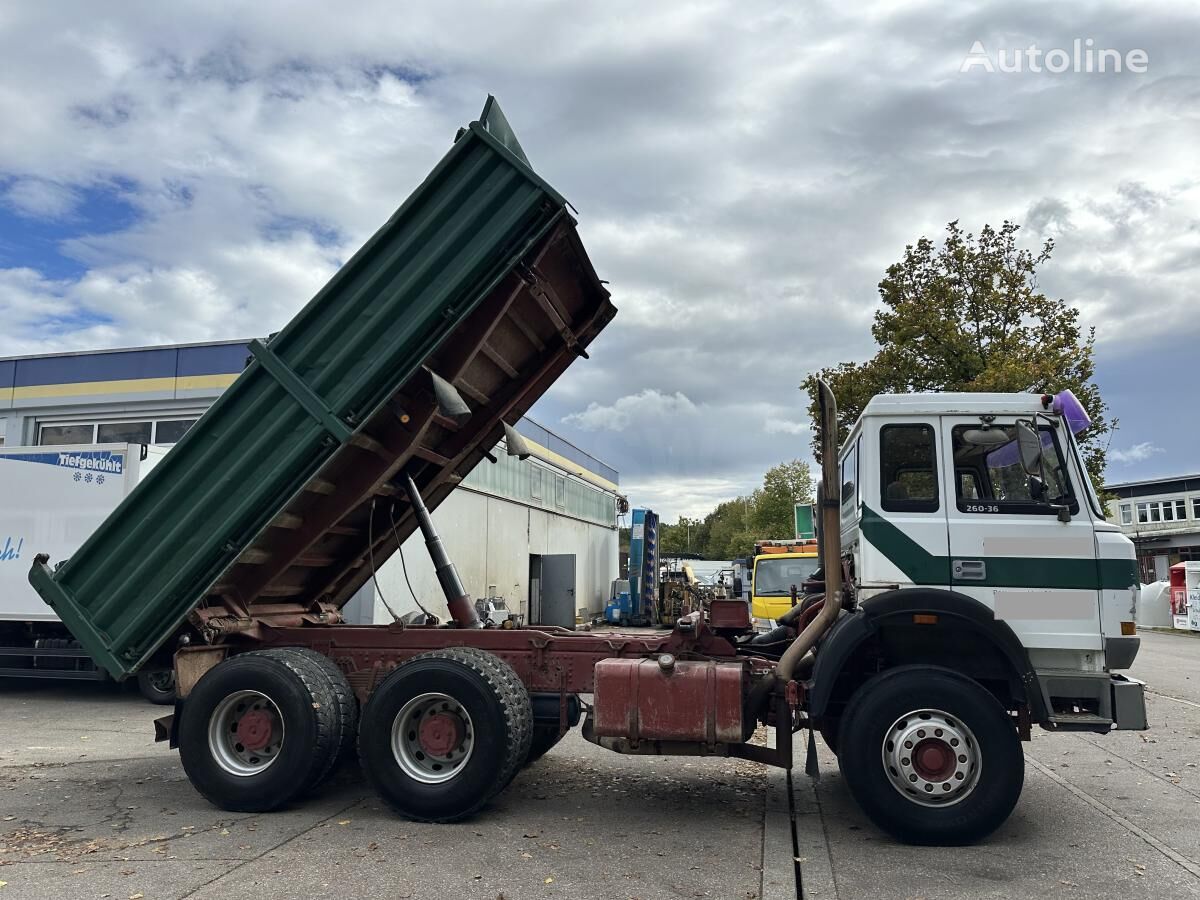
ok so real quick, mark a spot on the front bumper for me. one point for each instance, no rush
(1098, 703)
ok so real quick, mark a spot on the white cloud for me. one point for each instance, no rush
(40, 199)
(1136, 453)
(649, 407)
(785, 426)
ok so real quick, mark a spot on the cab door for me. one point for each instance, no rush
(1010, 550)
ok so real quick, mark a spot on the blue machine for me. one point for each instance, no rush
(637, 607)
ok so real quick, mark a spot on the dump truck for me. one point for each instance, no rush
(991, 597)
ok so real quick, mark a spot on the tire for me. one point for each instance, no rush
(830, 732)
(971, 768)
(345, 703)
(484, 722)
(544, 739)
(290, 699)
(157, 686)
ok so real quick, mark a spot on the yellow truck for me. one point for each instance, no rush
(778, 565)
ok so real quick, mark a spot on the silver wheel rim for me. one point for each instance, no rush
(245, 733)
(932, 758)
(432, 738)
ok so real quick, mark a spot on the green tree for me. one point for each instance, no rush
(783, 486)
(729, 532)
(968, 316)
(680, 539)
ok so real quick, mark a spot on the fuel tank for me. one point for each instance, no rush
(665, 699)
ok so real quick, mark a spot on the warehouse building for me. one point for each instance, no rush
(1162, 518)
(539, 535)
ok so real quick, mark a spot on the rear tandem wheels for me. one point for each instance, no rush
(444, 733)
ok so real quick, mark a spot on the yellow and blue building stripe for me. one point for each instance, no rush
(200, 371)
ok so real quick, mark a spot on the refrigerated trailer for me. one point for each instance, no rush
(956, 613)
(53, 498)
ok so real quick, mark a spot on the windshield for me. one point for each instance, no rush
(775, 577)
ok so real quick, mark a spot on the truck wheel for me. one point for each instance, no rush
(444, 733)
(157, 686)
(544, 738)
(930, 756)
(257, 730)
(345, 703)
(830, 732)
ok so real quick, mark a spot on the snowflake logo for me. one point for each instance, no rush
(99, 479)
(78, 476)
(87, 477)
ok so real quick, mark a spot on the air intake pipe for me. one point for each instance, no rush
(831, 539)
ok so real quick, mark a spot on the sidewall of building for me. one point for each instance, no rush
(491, 539)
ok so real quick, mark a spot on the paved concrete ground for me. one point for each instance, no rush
(89, 807)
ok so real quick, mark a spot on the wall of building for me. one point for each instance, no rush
(490, 540)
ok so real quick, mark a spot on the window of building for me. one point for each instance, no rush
(56, 435)
(908, 468)
(1180, 509)
(141, 431)
(993, 472)
(1143, 510)
(535, 482)
(849, 473)
(1196, 507)
(560, 490)
(1126, 514)
(124, 433)
(169, 431)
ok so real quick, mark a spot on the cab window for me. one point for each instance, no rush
(775, 577)
(849, 475)
(990, 477)
(908, 468)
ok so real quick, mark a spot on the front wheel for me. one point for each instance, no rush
(930, 756)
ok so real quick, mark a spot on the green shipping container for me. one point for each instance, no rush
(279, 503)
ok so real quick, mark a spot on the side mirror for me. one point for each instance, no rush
(1029, 442)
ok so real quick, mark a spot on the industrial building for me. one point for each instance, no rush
(540, 533)
(1162, 518)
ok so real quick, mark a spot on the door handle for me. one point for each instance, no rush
(969, 569)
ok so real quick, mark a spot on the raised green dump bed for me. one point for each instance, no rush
(266, 511)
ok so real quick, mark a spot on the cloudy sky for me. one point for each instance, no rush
(744, 172)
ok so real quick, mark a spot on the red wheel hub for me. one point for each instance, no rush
(440, 733)
(254, 729)
(933, 760)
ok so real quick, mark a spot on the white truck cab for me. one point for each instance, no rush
(981, 501)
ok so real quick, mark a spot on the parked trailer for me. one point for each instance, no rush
(234, 557)
(54, 498)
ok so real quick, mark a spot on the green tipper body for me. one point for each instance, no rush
(442, 272)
